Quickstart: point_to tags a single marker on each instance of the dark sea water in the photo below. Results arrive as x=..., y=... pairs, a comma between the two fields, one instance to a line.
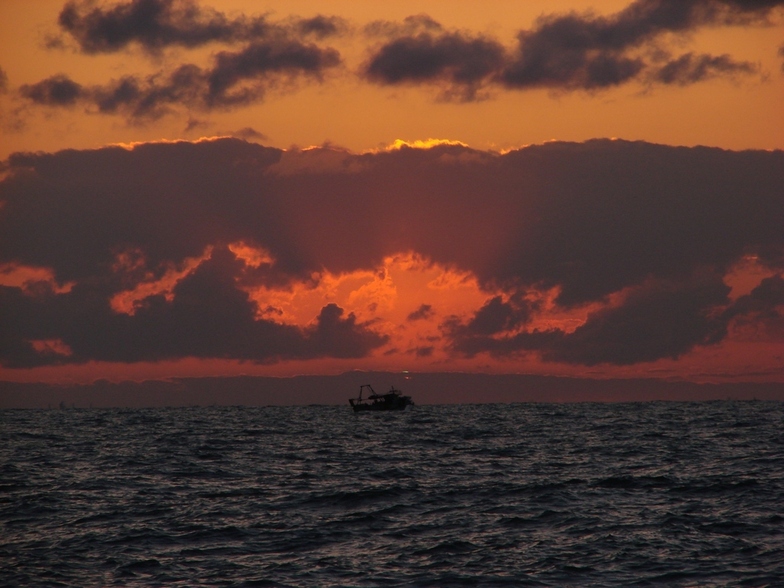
x=648, y=494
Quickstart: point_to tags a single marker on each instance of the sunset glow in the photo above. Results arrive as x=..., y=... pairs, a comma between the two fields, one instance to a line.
x=227, y=187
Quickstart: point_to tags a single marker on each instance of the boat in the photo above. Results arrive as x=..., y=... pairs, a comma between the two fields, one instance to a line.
x=392, y=400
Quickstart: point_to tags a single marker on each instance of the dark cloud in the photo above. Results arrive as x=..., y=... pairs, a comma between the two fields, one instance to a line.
x=3, y=81
x=497, y=315
x=689, y=68
x=763, y=308
x=588, y=51
x=236, y=78
x=425, y=311
x=411, y=25
x=195, y=123
x=566, y=52
x=207, y=317
x=271, y=53
x=462, y=63
x=426, y=351
x=249, y=134
x=662, y=318
x=157, y=24
x=643, y=232
x=334, y=336
x=153, y=24
x=260, y=60
x=561, y=52
x=58, y=90
x=320, y=26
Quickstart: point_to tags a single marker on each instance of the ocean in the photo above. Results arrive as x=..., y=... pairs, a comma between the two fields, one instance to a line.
x=586, y=494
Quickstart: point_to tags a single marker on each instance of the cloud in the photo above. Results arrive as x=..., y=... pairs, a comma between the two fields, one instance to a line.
x=271, y=54
x=208, y=316
x=236, y=78
x=411, y=25
x=762, y=308
x=260, y=60
x=334, y=336
x=567, y=52
x=494, y=317
x=320, y=26
x=58, y=90
x=157, y=24
x=425, y=311
x=664, y=319
x=248, y=134
x=689, y=68
x=151, y=23
x=461, y=62
x=3, y=81
x=587, y=51
x=637, y=237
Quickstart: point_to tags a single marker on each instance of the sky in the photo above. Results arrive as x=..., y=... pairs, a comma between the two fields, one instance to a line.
x=577, y=188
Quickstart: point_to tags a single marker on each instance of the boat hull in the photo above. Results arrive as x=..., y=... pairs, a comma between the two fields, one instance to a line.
x=392, y=400
x=377, y=407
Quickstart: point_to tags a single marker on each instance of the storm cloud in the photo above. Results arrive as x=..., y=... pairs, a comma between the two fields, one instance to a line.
x=643, y=234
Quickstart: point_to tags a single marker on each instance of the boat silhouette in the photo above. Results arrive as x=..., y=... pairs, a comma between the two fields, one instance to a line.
x=392, y=400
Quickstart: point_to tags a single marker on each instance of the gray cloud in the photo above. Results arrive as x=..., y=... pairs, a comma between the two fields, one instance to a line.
x=568, y=52
x=459, y=61
x=411, y=25
x=663, y=318
x=270, y=53
x=58, y=90
x=259, y=60
x=565, y=52
x=657, y=227
x=425, y=311
x=153, y=24
x=496, y=316
x=157, y=24
x=689, y=68
x=249, y=134
x=236, y=78
x=207, y=317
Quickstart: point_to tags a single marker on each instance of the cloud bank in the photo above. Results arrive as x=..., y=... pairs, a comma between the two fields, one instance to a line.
x=561, y=52
x=569, y=52
x=642, y=235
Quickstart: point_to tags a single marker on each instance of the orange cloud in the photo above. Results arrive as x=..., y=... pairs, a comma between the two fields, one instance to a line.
x=127, y=301
x=30, y=278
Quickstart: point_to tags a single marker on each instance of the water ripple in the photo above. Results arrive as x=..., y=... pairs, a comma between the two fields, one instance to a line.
x=676, y=494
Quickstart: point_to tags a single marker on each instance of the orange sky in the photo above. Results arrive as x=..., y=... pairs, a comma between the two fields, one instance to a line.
x=725, y=89
x=735, y=112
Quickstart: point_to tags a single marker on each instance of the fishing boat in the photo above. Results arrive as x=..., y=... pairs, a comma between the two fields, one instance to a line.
x=392, y=400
